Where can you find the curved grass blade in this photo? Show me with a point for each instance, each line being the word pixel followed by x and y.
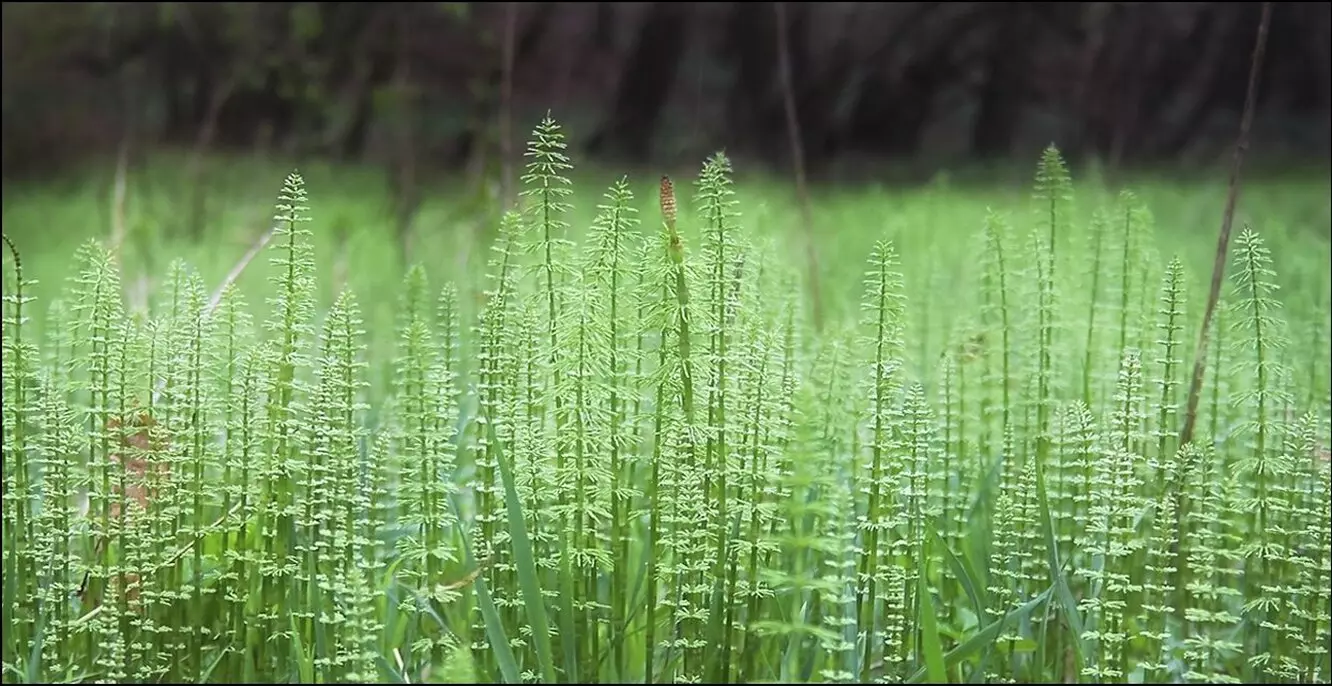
pixel 499 642
pixel 1068 606
pixel 621 633
pixel 526 565
pixel 208 673
pixel 929 629
pixel 964 576
pixel 985 637
pixel 385 667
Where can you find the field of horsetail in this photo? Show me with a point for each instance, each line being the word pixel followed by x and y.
pixel 618 434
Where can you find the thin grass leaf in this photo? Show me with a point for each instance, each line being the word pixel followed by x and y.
pixel 1068 606
pixel 929 629
pixel 304 664
pixel 526 564
pixel 207 674
pixel 985 638
pixel 395 676
pixel 964 576
pixel 499 641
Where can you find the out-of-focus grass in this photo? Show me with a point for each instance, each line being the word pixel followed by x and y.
pixel 934 223
pixel 1107 352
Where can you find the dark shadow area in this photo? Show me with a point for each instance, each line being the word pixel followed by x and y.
pixel 874 83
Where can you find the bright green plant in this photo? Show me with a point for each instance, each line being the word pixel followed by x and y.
pixel 624 454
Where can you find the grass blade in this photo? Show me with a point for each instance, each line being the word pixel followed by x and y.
pixel 304 663
pixel 526 565
pixel 208 673
pixel 566 611
pixel 1068 606
pixel 985 637
pixel 499 641
pixel 929 630
pixel 385 667
pixel 964 577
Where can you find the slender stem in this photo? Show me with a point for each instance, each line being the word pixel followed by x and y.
pixel 1227 220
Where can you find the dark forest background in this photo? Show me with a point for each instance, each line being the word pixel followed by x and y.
pixel 430 85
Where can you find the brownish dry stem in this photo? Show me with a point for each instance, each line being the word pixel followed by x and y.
pixel 1223 238
pixel 138 450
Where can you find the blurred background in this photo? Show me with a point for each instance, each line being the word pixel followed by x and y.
pixel 909 84
pixel 165 129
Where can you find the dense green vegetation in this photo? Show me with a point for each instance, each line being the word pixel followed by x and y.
pixel 618 449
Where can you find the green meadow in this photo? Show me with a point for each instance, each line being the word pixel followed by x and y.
pixel 638 430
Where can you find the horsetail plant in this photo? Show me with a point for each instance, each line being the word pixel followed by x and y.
pixel 632 462
pixel 881 477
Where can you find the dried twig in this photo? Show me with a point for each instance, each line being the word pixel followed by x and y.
pixel 118 198
pixel 1227 220
pixel 238 268
pixel 232 275
pixel 87 575
pixel 470 576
